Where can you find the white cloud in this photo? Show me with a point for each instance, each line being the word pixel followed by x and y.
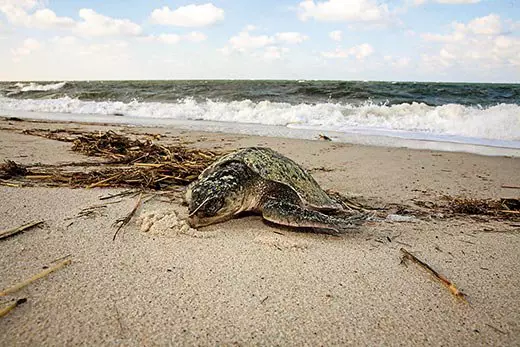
pixel 244 41
pixel 397 62
pixel 26 4
pixel 488 25
pixel 447 2
pixel 265 47
pixel 360 52
pixel 274 53
pixel 250 27
pixel 336 35
pixel 95 24
pixel 457 1
pixel 172 39
pixel 291 37
pixel 41 18
pixel 168 38
pixel 92 24
pixel 340 10
pixel 195 36
pixel 46 18
pixel 97 55
pixel 64 40
pixel 188 16
pixel 28 46
pixel 481 42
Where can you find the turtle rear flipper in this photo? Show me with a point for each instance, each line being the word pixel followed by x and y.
pixel 285 213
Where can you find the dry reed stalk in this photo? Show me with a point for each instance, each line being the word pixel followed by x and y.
pixel 34 278
pixel 451 286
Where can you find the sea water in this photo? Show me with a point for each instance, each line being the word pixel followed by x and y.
pixel 479 118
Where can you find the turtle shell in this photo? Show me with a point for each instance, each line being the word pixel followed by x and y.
pixel 273 166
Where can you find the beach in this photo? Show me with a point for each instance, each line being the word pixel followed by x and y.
pixel 245 282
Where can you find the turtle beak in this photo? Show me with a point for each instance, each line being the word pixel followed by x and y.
pixel 199 218
pixel 195 221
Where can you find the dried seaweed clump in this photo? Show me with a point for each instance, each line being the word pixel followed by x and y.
pixel 130 162
pixel 64 135
pixel 492 207
pixel 11 169
pixel 109 144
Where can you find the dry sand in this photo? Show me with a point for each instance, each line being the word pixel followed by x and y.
pixel 247 283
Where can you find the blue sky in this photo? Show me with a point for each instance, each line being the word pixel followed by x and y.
pixel 419 40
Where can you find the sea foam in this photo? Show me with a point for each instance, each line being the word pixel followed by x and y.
pixel 30 87
pixel 499 122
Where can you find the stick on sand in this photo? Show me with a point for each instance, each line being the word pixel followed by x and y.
pixel 14 231
pixel 36 277
pixel 4 311
pixel 452 288
pixel 124 221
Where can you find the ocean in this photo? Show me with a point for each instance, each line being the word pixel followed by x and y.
pixel 479 118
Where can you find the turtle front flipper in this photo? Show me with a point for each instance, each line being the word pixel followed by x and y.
pixel 286 213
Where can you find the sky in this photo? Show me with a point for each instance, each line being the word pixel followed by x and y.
pixel 399 40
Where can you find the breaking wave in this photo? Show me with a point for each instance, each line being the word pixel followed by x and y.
pixel 498 122
pixel 35 87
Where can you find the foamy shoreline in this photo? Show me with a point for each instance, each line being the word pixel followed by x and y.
pixel 358 136
pixel 248 283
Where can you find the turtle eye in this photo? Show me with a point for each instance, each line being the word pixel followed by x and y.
pixel 209 207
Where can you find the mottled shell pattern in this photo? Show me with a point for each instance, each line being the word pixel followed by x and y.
pixel 273 166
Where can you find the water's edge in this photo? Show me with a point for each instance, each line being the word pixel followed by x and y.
pixel 354 137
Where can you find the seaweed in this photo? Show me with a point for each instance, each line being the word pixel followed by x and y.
pixel 10 169
pixel 128 162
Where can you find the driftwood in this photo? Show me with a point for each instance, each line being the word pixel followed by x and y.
pixel 124 221
pixel 452 288
pixel 509 186
pixel 4 311
pixel 34 278
pixel 14 231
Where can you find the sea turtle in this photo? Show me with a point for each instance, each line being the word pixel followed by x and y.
pixel 258 179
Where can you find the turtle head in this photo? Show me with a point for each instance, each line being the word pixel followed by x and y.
pixel 213 200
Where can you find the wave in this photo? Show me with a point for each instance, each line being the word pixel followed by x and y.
pixel 31 87
pixel 499 122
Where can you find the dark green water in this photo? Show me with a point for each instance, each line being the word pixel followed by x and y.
pixel 292 92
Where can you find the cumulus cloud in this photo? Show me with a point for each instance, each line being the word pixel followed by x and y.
pixel 28 46
pixel 95 24
pixel 291 37
pixel 266 47
pixel 111 51
pixel 360 52
pixel 17 14
pixel 340 10
pixel 188 16
pixel 488 25
pixel 171 39
pixel 336 35
pixel 64 40
pixel 448 2
pixel 274 52
pixel 245 41
pixel 483 41
pixel 26 4
pixel 195 36
pixel 397 62
pixel 92 23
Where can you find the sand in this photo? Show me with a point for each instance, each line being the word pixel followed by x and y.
pixel 245 282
